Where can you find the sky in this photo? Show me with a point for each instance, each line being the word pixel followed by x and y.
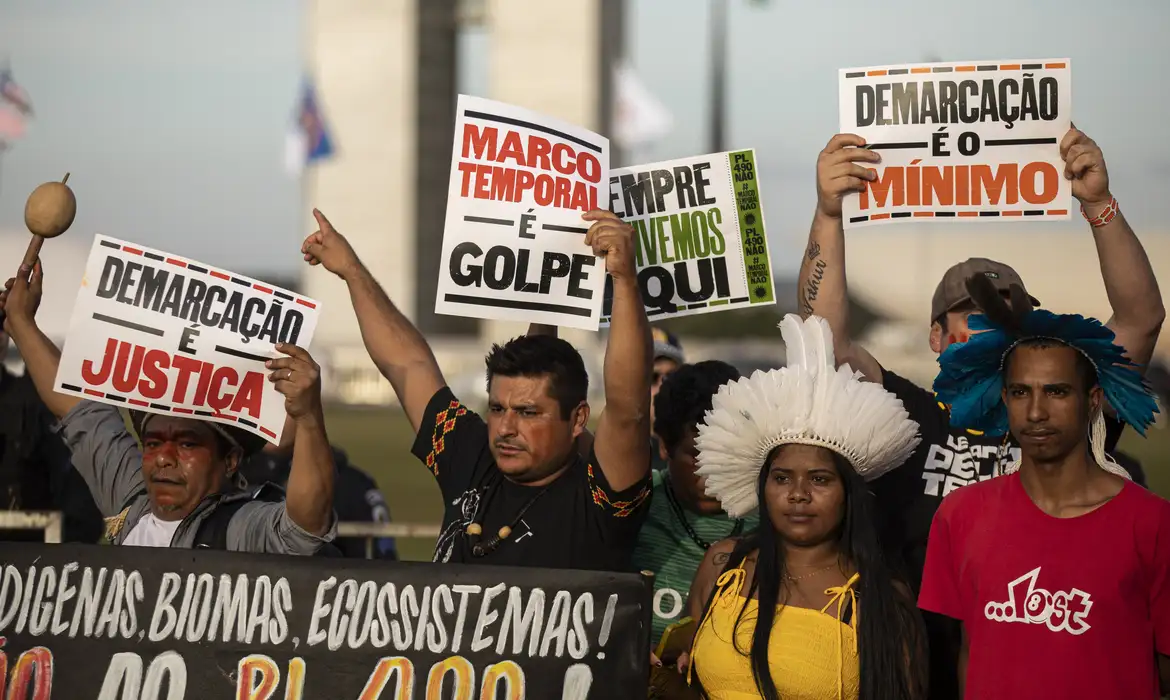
pixel 172 115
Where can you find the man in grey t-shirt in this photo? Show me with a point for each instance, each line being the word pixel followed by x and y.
pixel 160 494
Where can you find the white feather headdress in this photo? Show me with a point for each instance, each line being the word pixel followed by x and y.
pixel 811 402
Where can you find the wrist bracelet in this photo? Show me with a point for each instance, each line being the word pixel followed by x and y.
pixel 1106 215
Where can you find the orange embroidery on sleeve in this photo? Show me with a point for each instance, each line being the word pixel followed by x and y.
pixel 621 509
pixel 444 423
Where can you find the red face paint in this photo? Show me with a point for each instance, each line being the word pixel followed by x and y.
pixel 961 339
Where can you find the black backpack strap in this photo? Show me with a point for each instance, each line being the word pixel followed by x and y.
pixel 213 530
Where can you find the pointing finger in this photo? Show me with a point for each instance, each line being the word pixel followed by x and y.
pixel 323 222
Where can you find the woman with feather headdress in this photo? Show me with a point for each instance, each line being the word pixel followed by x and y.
pixel 1063 545
pixel 804 606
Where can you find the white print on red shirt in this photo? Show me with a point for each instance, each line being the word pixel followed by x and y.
pixel 1026 603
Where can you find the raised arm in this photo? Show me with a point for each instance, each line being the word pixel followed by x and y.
pixel 1129 279
pixel 397 348
pixel 622 444
pixel 821 288
pixel 309 493
pixel 19 302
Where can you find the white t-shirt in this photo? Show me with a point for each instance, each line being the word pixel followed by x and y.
pixel 149 531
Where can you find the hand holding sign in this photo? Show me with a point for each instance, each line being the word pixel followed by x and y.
pixel 838 172
pixel 1084 164
pixel 329 248
pixel 21 296
pixel 298 377
pixel 612 239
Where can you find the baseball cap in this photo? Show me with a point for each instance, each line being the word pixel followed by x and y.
pixel 666 344
pixel 952 290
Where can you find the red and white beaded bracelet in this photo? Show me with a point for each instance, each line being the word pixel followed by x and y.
pixel 1107 214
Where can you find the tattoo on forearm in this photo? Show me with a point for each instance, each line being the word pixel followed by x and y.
pixel 720 558
pixel 802 304
pixel 813 286
pixel 814 250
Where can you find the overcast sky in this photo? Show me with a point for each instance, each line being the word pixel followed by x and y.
pixel 172 114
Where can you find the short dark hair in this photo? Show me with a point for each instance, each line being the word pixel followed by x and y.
pixel 685 398
pixel 543 355
pixel 1085 369
pixel 967 305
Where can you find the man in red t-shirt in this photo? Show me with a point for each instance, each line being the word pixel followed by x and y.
pixel 1059 571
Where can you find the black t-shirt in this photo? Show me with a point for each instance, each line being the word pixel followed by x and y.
pixel 579 523
pixel 907 498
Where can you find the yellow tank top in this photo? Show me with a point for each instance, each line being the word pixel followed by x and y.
pixel 812 655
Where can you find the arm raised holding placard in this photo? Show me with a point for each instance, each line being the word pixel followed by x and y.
pixel 621 445
pixel 309 492
pixel 821 288
pixel 397 348
pixel 1129 279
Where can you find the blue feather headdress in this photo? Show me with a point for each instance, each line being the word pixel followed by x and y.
pixel 970 378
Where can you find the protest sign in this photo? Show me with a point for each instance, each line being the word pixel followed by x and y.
pixel 960 141
pixel 156 332
pixel 514 240
pixel 108 623
pixel 701 244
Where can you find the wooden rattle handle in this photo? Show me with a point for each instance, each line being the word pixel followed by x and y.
pixel 33 251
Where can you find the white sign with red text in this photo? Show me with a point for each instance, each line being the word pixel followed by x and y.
pixel 514 240
pixel 157 332
pixel 973 141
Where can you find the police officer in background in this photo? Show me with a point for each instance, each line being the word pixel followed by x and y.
pixel 668 357
pixel 356 497
pixel 35 468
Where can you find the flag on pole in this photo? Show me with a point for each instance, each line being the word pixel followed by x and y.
pixel 14 107
pixel 308 139
pixel 639 117
pixel 11 94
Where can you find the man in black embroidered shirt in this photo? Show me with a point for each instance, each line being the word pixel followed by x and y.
pixel 515 488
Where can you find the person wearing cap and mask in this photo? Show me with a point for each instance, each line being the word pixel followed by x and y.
pixel 1076 603
pixel 182 478
pixel 950 456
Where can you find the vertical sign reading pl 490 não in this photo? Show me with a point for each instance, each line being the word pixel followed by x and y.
pixel 701 241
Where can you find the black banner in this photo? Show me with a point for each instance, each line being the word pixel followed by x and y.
pixel 130 623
